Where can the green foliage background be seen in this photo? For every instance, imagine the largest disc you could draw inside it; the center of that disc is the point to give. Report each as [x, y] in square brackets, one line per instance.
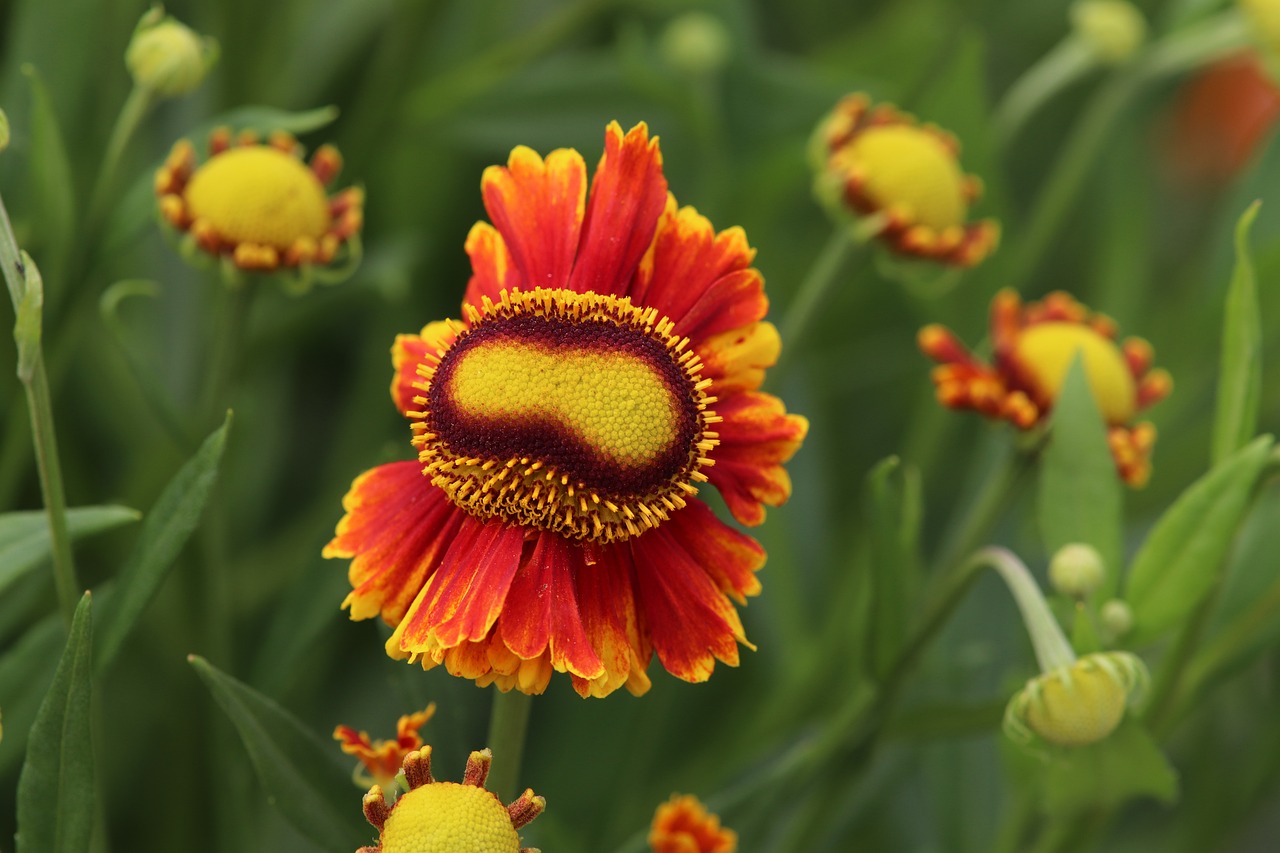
[428, 93]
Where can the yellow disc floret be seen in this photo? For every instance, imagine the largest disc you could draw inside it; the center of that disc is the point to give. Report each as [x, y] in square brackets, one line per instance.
[1045, 352]
[447, 817]
[910, 169]
[259, 195]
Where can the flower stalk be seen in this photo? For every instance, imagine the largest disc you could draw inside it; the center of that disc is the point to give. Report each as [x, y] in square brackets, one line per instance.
[508, 725]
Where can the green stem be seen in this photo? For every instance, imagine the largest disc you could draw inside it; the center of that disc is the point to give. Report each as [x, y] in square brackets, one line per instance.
[131, 115]
[507, 728]
[822, 275]
[1000, 481]
[1165, 688]
[1233, 642]
[228, 341]
[1052, 649]
[1067, 62]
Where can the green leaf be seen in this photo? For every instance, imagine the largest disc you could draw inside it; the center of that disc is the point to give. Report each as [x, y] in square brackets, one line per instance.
[893, 497]
[1183, 555]
[53, 192]
[26, 669]
[168, 526]
[56, 788]
[24, 536]
[1240, 371]
[298, 770]
[1125, 765]
[1081, 495]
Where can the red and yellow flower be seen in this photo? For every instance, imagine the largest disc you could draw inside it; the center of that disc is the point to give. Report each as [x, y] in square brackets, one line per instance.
[683, 825]
[382, 758]
[1034, 345]
[258, 204]
[448, 817]
[606, 366]
[904, 180]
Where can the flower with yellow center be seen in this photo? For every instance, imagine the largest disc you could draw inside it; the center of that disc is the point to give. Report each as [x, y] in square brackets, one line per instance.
[683, 825]
[1034, 347]
[605, 369]
[448, 817]
[261, 207]
[904, 179]
[1079, 704]
[382, 759]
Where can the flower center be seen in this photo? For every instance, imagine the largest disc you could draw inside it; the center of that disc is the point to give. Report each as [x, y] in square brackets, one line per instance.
[261, 195]
[445, 817]
[571, 412]
[1045, 352]
[911, 169]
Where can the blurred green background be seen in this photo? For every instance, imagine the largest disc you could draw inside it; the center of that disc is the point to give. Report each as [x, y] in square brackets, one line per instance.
[428, 94]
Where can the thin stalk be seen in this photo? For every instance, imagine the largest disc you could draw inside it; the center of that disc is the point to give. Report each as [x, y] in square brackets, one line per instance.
[1065, 63]
[1052, 649]
[1000, 482]
[1233, 642]
[507, 728]
[135, 109]
[821, 276]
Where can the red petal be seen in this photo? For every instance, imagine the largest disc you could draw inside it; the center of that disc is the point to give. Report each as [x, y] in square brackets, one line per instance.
[407, 353]
[628, 194]
[756, 437]
[729, 557]
[537, 207]
[491, 269]
[606, 602]
[396, 529]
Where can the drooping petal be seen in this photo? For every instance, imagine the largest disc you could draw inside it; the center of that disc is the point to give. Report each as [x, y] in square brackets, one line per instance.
[542, 612]
[491, 268]
[628, 194]
[729, 557]
[396, 529]
[606, 600]
[537, 207]
[407, 353]
[756, 437]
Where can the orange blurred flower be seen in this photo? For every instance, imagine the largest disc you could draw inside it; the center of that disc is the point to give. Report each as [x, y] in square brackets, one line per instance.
[382, 758]
[683, 825]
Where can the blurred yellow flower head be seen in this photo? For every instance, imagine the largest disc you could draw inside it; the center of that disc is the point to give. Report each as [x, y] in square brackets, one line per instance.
[168, 57]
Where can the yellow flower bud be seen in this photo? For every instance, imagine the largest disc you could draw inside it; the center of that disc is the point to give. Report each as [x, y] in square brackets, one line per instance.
[168, 57]
[1076, 570]
[1114, 29]
[696, 44]
[1079, 704]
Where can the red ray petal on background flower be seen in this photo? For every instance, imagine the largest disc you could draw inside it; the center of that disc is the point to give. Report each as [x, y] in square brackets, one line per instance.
[606, 601]
[691, 623]
[396, 529]
[628, 194]
[700, 279]
[729, 557]
[756, 437]
[491, 268]
[537, 207]
[738, 359]
[407, 353]
[542, 609]
[465, 594]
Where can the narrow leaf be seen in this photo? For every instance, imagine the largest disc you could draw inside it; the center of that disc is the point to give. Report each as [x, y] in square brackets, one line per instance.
[1080, 492]
[298, 770]
[1240, 371]
[53, 193]
[56, 788]
[168, 526]
[893, 511]
[24, 536]
[26, 670]
[1124, 766]
[1184, 553]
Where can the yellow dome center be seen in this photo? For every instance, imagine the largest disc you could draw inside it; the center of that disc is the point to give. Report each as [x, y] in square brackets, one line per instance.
[1045, 352]
[911, 169]
[259, 195]
[1077, 705]
[446, 817]
[572, 412]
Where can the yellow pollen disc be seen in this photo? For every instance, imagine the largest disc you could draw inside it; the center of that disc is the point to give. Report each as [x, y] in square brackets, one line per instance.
[259, 195]
[1045, 352]
[445, 817]
[1077, 706]
[909, 168]
[612, 402]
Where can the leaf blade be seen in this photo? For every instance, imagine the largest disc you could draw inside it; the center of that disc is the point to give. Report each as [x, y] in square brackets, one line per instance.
[24, 536]
[1240, 369]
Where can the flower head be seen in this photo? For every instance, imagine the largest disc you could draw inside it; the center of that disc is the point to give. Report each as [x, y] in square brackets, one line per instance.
[382, 758]
[259, 205]
[1034, 347]
[448, 817]
[605, 368]
[168, 57]
[904, 179]
[1113, 29]
[1079, 704]
[683, 825]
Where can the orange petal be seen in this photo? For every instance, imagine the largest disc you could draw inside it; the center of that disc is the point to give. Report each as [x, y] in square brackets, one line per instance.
[396, 530]
[537, 207]
[407, 353]
[628, 194]
[491, 269]
[606, 601]
[756, 437]
[737, 360]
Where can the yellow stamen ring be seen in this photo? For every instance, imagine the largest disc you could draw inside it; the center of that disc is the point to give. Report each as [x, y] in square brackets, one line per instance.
[578, 413]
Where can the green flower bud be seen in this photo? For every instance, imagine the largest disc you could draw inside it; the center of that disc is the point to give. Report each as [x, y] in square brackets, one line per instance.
[1076, 570]
[1079, 704]
[1113, 29]
[4, 130]
[168, 57]
[1117, 618]
[695, 44]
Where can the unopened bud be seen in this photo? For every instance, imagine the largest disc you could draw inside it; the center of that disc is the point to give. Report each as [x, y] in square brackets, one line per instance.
[1076, 570]
[1113, 29]
[1079, 704]
[168, 57]
[695, 44]
[1117, 618]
